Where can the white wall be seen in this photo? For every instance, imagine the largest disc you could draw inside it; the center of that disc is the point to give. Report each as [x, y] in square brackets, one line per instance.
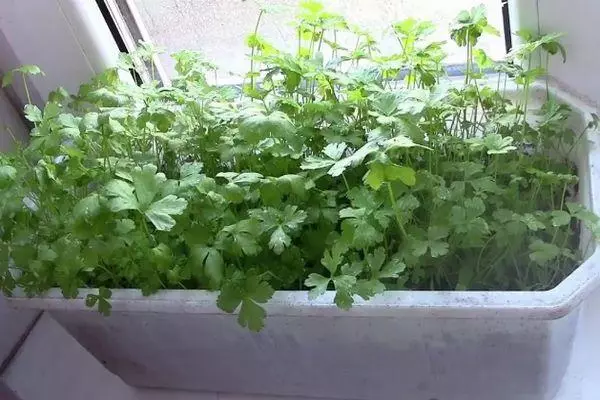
[10, 123]
[68, 39]
[579, 20]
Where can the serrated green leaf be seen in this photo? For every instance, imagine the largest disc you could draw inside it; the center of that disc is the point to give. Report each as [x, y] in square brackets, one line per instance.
[91, 300]
[560, 218]
[352, 213]
[408, 202]
[392, 269]
[240, 237]
[332, 259]
[375, 176]
[124, 226]
[353, 160]
[369, 288]
[293, 217]
[293, 183]
[580, 212]
[121, 194]
[7, 175]
[252, 315]
[438, 248]
[361, 233]
[542, 253]
[344, 286]
[405, 175]
[7, 79]
[147, 184]
[335, 151]
[88, 207]
[312, 162]
[319, 284]
[160, 212]
[190, 174]
[256, 291]
[353, 269]
[247, 177]
[45, 253]
[33, 113]
[229, 297]
[532, 222]
[437, 232]
[260, 126]
[399, 142]
[474, 207]
[104, 307]
[234, 193]
[344, 282]
[211, 262]
[29, 69]
[279, 240]
[418, 247]
[376, 259]
[380, 173]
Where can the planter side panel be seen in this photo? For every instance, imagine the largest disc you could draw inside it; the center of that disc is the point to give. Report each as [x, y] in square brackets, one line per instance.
[341, 357]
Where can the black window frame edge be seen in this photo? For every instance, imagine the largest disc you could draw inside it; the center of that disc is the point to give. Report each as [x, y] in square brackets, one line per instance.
[127, 33]
[506, 25]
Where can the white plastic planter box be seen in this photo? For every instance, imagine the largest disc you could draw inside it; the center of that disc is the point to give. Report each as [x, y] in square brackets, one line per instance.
[400, 345]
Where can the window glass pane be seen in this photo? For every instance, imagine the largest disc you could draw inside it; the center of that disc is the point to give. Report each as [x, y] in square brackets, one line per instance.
[218, 28]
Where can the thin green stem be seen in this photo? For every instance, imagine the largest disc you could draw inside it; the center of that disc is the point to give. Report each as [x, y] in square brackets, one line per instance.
[547, 77]
[395, 208]
[562, 196]
[321, 40]
[534, 195]
[26, 89]
[252, 51]
[346, 182]
[499, 79]
[335, 44]
[312, 42]
[480, 99]
[468, 72]
[526, 99]
[18, 145]
[145, 227]
[481, 253]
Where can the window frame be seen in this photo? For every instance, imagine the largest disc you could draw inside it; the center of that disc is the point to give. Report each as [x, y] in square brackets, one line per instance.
[128, 29]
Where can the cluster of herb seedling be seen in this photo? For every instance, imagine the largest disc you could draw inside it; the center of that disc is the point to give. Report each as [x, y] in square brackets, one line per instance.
[332, 168]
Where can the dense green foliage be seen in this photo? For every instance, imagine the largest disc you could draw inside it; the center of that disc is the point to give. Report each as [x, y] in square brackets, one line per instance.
[331, 168]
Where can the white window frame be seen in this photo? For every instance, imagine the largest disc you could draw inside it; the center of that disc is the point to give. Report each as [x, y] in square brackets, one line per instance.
[68, 39]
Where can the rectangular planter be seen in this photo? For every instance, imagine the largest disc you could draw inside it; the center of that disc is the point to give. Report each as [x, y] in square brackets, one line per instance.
[400, 345]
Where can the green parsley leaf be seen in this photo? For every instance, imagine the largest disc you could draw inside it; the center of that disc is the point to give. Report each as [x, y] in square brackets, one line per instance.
[560, 218]
[210, 261]
[319, 284]
[344, 285]
[542, 253]
[251, 291]
[160, 212]
[279, 240]
[122, 197]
